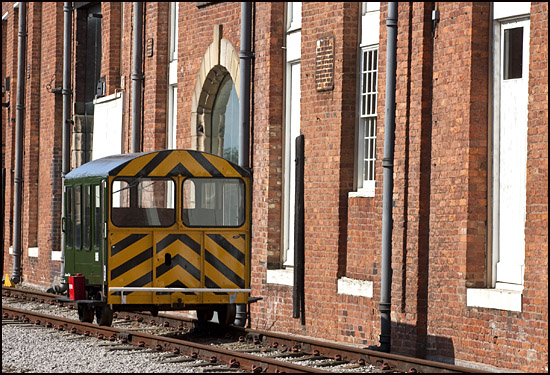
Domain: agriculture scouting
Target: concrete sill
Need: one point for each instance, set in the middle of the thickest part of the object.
(281, 276)
(354, 287)
(500, 299)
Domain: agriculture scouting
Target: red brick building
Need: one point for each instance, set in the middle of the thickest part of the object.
(470, 197)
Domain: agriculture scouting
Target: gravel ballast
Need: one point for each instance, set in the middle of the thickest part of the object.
(39, 349)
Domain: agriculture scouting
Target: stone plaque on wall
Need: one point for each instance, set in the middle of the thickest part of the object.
(324, 64)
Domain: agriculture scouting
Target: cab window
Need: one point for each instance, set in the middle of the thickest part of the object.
(213, 202)
(143, 202)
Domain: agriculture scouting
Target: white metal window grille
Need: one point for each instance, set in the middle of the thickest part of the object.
(172, 77)
(368, 114)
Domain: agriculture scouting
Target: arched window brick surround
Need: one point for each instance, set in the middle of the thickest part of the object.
(219, 60)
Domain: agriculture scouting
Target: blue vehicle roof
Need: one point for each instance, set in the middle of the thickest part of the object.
(162, 163)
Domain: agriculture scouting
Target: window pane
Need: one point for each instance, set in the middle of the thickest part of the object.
(98, 222)
(143, 202)
(77, 218)
(86, 217)
(69, 220)
(213, 202)
(225, 122)
(513, 53)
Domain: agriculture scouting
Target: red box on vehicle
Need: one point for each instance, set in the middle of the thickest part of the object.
(77, 287)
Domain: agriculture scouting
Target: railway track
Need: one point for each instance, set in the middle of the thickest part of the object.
(192, 350)
(253, 350)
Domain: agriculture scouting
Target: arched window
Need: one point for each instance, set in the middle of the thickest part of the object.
(225, 121)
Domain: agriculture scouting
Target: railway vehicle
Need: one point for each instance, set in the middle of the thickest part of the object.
(158, 231)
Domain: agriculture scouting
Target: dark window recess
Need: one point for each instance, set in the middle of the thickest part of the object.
(100, 90)
(69, 220)
(202, 4)
(513, 53)
(98, 222)
(77, 217)
(86, 217)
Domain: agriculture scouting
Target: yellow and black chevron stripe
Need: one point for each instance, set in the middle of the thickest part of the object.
(178, 265)
(224, 262)
(173, 258)
(176, 260)
(187, 163)
(130, 263)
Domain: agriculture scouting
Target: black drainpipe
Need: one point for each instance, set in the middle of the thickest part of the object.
(299, 297)
(245, 56)
(387, 164)
(137, 77)
(67, 92)
(18, 178)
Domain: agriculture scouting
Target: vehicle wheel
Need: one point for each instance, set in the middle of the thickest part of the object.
(241, 315)
(226, 314)
(204, 315)
(85, 313)
(104, 315)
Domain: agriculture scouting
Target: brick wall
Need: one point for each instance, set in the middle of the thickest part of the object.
(126, 73)
(155, 95)
(5, 95)
(196, 33)
(458, 181)
(8, 123)
(49, 206)
(440, 168)
(31, 128)
(534, 322)
(268, 136)
(328, 169)
(111, 28)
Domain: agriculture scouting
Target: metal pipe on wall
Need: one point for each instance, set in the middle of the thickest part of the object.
(387, 164)
(245, 55)
(66, 92)
(137, 77)
(298, 299)
(19, 115)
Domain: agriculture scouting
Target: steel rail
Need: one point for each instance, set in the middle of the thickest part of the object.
(31, 295)
(160, 343)
(306, 344)
(396, 361)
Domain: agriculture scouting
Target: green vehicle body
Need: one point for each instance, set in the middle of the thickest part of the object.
(83, 251)
(84, 228)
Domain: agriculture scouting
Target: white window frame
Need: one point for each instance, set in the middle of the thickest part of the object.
(172, 113)
(292, 116)
(368, 90)
(368, 115)
(171, 129)
(294, 16)
(497, 267)
(293, 24)
(499, 295)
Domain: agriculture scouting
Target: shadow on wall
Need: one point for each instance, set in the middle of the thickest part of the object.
(414, 341)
